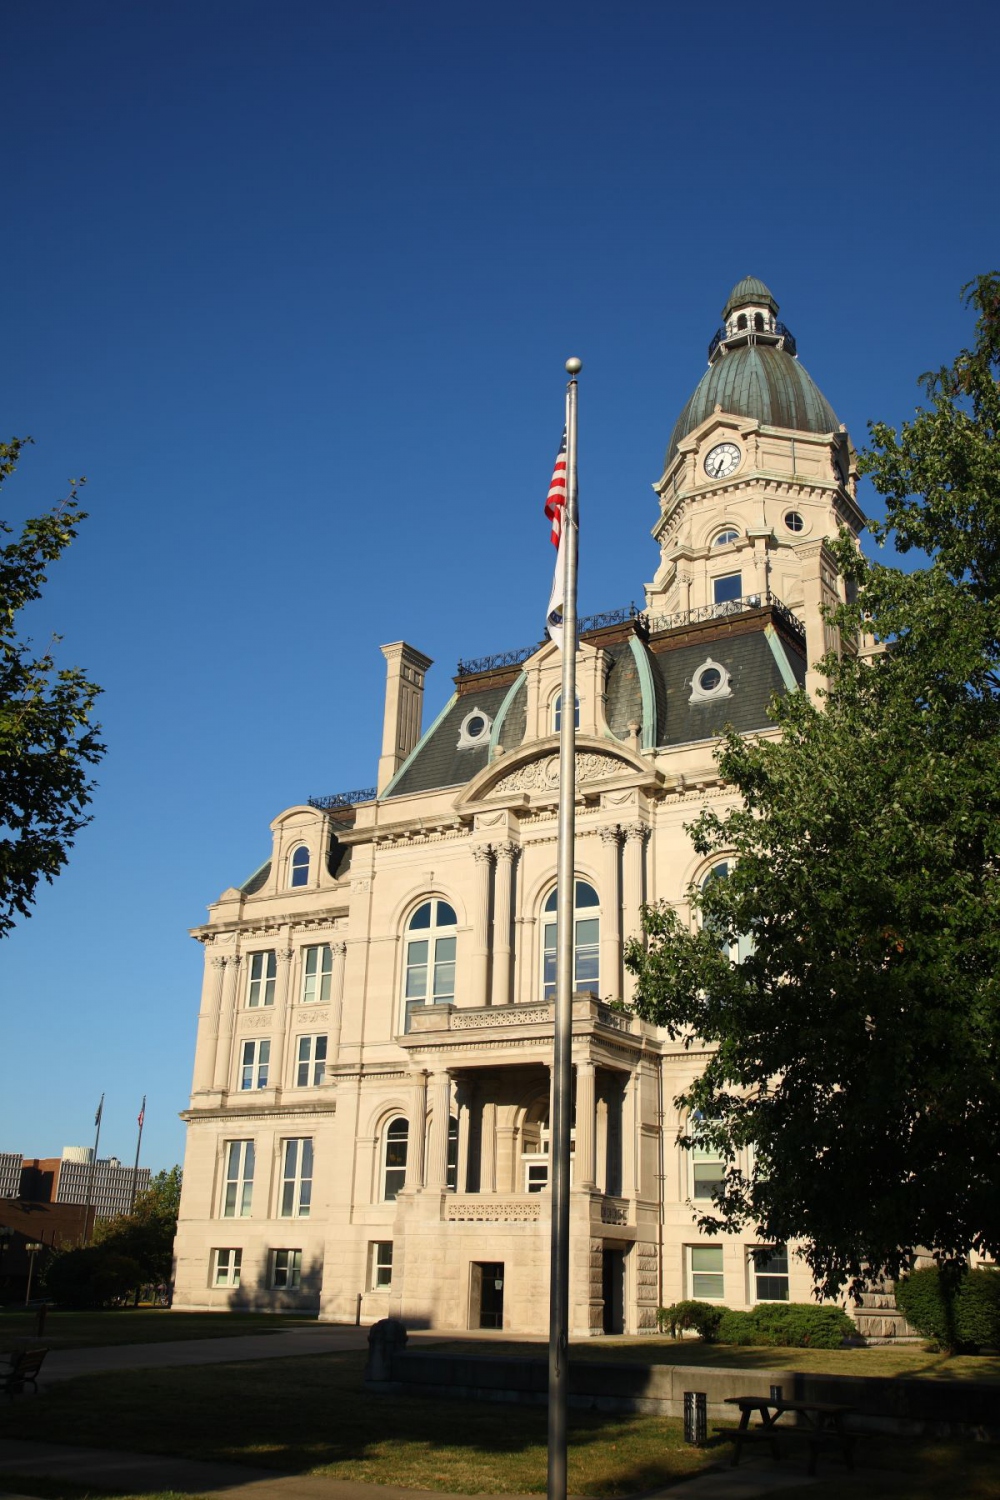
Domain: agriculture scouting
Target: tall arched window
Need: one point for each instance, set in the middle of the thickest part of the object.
(430, 957)
(397, 1140)
(557, 713)
(743, 945)
(299, 867)
(586, 940)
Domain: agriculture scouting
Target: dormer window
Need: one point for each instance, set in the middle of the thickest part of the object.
(299, 867)
(474, 730)
(557, 713)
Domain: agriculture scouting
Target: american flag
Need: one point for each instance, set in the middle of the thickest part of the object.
(555, 503)
(142, 1111)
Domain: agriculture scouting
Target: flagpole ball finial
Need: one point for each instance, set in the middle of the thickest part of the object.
(574, 366)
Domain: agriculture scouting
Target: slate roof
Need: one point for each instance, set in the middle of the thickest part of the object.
(754, 677)
(437, 761)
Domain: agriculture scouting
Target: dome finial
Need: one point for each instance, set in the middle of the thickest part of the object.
(750, 291)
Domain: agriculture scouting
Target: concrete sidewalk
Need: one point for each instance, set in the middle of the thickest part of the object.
(148, 1473)
(326, 1338)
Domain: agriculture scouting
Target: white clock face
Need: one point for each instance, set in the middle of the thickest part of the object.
(722, 460)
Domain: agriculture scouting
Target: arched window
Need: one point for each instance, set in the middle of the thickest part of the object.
(725, 537)
(430, 957)
(299, 867)
(397, 1139)
(586, 941)
(741, 321)
(743, 945)
(758, 322)
(557, 713)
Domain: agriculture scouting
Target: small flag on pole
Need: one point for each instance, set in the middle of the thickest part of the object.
(100, 1111)
(142, 1111)
(555, 509)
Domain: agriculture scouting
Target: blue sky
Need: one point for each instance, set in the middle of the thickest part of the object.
(293, 286)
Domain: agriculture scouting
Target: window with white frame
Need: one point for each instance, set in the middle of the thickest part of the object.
(286, 1269)
(769, 1273)
(298, 866)
(317, 969)
(263, 975)
(586, 945)
(310, 1065)
(226, 1266)
(237, 1186)
(395, 1149)
(724, 538)
(557, 713)
(536, 1142)
(708, 1166)
(296, 1178)
(705, 1276)
(380, 1272)
(430, 957)
(255, 1059)
(726, 588)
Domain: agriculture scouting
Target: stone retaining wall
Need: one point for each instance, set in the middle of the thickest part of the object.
(936, 1407)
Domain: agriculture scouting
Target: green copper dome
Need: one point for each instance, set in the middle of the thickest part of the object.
(750, 289)
(754, 373)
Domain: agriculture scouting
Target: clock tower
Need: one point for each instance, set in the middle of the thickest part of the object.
(758, 474)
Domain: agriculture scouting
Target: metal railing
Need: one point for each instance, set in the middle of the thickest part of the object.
(726, 607)
(585, 623)
(343, 799)
(779, 331)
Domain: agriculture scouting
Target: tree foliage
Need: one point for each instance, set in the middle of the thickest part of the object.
(47, 740)
(146, 1235)
(854, 1070)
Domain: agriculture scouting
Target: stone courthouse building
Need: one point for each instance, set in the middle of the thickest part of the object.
(368, 1126)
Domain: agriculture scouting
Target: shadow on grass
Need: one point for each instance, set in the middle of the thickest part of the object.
(126, 1325)
(311, 1414)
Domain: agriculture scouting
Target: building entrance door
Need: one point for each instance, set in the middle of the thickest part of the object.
(613, 1290)
(487, 1294)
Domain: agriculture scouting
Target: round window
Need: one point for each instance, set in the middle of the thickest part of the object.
(794, 521)
(710, 679)
(475, 727)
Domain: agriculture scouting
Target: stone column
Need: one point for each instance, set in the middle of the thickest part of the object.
(417, 1135)
(630, 1135)
(586, 1108)
(506, 854)
(463, 1093)
(611, 908)
(507, 1165)
(635, 838)
(488, 1147)
(479, 994)
(230, 1000)
(437, 1155)
(525, 968)
(280, 1024)
(208, 1024)
(339, 951)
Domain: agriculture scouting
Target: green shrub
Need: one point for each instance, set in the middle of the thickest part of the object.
(788, 1325)
(737, 1328)
(957, 1309)
(92, 1277)
(703, 1317)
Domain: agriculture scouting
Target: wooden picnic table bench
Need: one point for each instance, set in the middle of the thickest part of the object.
(822, 1426)
(22, 1369)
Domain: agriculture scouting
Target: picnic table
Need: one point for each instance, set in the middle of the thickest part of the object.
(821, 1423)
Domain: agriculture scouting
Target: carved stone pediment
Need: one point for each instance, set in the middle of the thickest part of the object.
(534, 772)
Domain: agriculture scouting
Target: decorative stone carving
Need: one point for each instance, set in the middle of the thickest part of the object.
(634, 831)
(482, 853)
(492, 1211)
(506, 1015)
(614, 1019)
(507, 850)
(543, 775)
(338, 949)
(219, 963)
(286, 955)
(614, 1213)
(255, 1023)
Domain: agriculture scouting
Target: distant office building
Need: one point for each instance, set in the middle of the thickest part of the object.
(10, 1173)
(67, 1179)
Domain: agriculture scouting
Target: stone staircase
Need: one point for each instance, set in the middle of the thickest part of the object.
(880, 1320)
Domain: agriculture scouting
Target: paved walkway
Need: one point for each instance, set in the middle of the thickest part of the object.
(323, 1338)
(147, 1473)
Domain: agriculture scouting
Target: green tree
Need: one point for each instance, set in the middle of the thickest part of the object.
(47, 740)
(855, 1055)
(146, 1235)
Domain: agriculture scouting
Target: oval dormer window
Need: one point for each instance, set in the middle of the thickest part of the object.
(475, 730)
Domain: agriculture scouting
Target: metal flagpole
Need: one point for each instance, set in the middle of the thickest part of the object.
(562, 1069)
(88, 1222)
(138, 1147)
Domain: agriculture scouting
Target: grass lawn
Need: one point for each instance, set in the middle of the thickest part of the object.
(886, 1360)
(311, 1415)
(126, 1325)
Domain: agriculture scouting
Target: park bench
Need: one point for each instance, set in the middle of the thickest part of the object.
(22, 1369)
(822, 1425)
